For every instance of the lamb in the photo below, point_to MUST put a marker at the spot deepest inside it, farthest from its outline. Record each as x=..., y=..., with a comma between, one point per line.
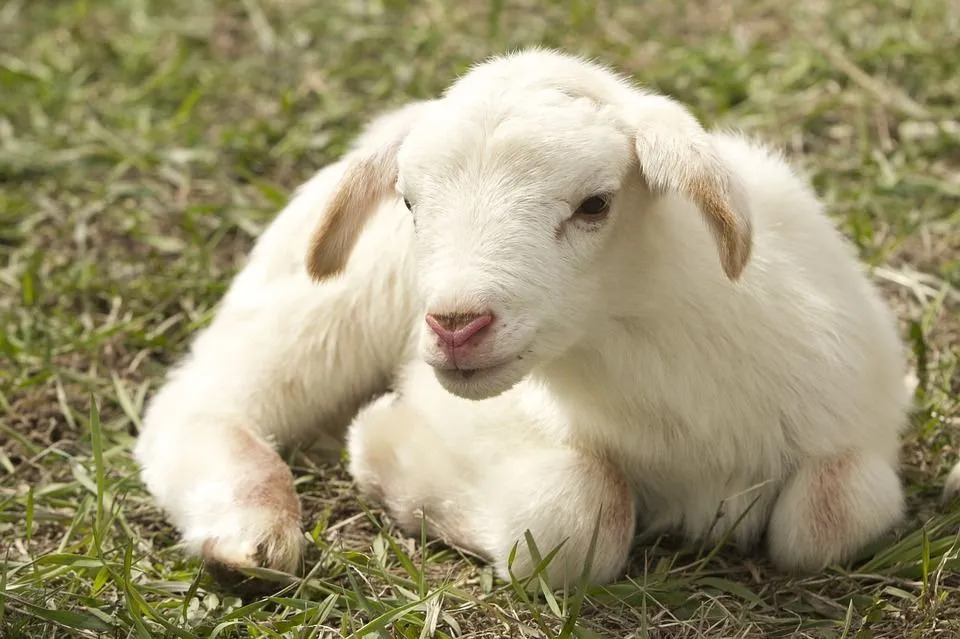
x=547, y=300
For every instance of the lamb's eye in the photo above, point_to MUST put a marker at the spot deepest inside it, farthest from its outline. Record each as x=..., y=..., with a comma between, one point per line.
x=595, y=206
x=407, y=204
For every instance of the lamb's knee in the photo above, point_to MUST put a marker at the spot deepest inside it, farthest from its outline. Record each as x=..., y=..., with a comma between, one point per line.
x=397, y=460
x=562, y=497
x=385, y=444
x=248, y=513
x=229, y=493
x=831, y=508
x=371, y=446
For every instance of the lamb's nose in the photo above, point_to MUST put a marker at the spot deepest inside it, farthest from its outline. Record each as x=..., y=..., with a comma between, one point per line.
x=454, y=329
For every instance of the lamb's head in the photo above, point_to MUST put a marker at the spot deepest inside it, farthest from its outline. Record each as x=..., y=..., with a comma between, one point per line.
x=515, y=179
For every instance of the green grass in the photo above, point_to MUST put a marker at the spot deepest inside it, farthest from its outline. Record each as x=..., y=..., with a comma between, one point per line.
x=144, y=144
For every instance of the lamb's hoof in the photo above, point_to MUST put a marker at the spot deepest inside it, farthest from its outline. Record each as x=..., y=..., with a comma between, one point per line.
x=232, y=580
x=226, y=561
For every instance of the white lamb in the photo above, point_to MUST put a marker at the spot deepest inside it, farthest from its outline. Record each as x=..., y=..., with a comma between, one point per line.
x=584, y=356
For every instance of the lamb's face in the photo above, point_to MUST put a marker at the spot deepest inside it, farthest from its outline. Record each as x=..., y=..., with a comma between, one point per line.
x=515, y=187
x=513, y=202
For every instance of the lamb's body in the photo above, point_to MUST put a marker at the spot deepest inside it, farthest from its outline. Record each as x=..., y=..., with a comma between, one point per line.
x=642, y=390
x=684, y=395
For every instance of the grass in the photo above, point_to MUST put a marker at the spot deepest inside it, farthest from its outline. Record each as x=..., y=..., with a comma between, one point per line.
x=144, y=144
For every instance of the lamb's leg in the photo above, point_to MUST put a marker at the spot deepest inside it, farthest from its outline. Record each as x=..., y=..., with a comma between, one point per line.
x=285, y=361
x=831, y=508
x=482, y=492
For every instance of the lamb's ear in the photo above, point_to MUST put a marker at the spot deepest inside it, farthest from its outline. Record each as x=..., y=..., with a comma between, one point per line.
x=676, y=155
x=366, y=181
x=370, y=176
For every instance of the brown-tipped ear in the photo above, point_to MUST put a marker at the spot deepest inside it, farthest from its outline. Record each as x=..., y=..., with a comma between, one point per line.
x=726, y=213
x=370, y=176
x=364, y=184
x=677, y=155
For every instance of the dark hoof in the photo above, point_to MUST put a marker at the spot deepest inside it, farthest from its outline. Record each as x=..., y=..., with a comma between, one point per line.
x=232, y=580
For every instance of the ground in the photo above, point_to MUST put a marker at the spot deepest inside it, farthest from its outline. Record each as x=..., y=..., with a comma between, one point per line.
x=144, y=144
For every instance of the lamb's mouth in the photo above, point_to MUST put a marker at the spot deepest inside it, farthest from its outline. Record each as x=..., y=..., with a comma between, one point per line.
x=486, y=380
x=469, y=375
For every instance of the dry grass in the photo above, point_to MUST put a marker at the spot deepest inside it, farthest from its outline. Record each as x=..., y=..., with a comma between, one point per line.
x=144, y=144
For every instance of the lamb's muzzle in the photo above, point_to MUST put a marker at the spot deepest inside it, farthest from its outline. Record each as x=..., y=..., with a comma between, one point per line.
x=456, y=329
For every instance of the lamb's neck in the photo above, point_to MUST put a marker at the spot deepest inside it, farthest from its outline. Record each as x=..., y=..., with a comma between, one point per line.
x=598, y=373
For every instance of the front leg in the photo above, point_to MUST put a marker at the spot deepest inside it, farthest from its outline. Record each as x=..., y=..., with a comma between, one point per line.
x=831, y=508
x=285, y=361
x=480, y=475
x=232, y=497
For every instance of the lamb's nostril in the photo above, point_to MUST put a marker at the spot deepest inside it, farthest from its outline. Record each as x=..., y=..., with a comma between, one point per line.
x=456, y=328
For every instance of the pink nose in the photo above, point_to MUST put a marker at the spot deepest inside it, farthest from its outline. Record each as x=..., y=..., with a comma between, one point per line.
x=454, y=329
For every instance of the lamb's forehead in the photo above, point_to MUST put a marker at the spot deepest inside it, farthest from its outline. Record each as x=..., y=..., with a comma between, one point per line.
x=537, y=132
x=522, y=125
x=537, y=112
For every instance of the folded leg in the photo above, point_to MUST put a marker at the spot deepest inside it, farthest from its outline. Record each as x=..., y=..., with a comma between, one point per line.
x=285, y=361
x=831, y=508
x=480, y=477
